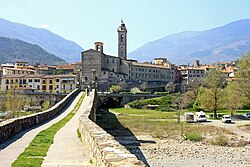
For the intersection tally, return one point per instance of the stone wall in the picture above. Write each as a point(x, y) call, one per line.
point(13, 126)
point(102, 148)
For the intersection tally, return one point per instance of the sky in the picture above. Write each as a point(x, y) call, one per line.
point(88, 21)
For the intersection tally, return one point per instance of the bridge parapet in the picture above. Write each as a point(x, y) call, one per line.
point(13, 126)
point(102, 148)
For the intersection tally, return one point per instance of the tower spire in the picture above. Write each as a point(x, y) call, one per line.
point(122, 41)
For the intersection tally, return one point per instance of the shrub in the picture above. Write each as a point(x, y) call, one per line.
point(220, 140)
point(163, 102)
point(193, 136)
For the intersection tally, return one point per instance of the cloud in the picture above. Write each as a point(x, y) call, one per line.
point(46, 26)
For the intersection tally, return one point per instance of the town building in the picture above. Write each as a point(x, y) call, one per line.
point(191, 74)
point(106, 70)
point(39, 83)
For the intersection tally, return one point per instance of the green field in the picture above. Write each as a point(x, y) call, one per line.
point(155, 123)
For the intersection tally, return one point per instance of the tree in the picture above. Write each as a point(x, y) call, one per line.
point(28, 101)
point(144, 86)
point(213, 83)
point(46, 104)
point(243, 76)
point(170, 87)
point(135, 90)
point(123, 85)
point(176, 103)
point(34, 102)
point(233, 99)
point(115, 89)
point(188, 99)
point(13, 103)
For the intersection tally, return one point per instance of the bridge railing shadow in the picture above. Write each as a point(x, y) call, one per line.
point(109, 122)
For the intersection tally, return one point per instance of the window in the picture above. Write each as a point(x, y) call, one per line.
point(7, 81)
point(104, 72)
point(30, 80)
point(38, 87)
point(44, 87)
point(113, 60)
point(113, 69)
point(122, 37)
point(44, 81)
point(50, 87)
point(57, 80)
point(107, 60)
point(24, 81)
point(50, 81)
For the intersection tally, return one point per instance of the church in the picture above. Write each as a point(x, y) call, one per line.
point(107, 70)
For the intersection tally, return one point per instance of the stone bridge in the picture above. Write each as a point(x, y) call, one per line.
point(96, 147)
point(125, 98)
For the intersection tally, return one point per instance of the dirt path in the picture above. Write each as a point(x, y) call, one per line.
point(232, 127)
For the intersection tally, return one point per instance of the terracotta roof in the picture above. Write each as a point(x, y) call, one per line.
point(22, 76)
point(66, 66)
point(58, 76)
point(18, 69)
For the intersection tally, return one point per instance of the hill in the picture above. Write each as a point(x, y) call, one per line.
point(223, 43)
point(53, 43)
point(12, 50)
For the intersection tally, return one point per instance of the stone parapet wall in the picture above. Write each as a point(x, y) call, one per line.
point(11, 127)
point(102, 148)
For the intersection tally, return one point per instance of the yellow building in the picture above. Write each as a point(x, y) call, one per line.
point(39, 83)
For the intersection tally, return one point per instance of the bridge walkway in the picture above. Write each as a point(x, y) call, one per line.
point(67, 149)
point(13, 147)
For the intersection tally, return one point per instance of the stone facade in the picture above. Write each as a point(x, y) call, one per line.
point(107, 70)
point(101, 147)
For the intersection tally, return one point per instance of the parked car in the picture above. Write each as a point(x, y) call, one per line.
point(248, 115)
point(226, 119)
point(201, 117)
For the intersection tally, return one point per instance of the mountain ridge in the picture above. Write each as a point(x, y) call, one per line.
point(222, 43)
point(12, 50)
point(51, 42)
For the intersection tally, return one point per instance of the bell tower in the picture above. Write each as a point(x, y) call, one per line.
point(122, 41)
